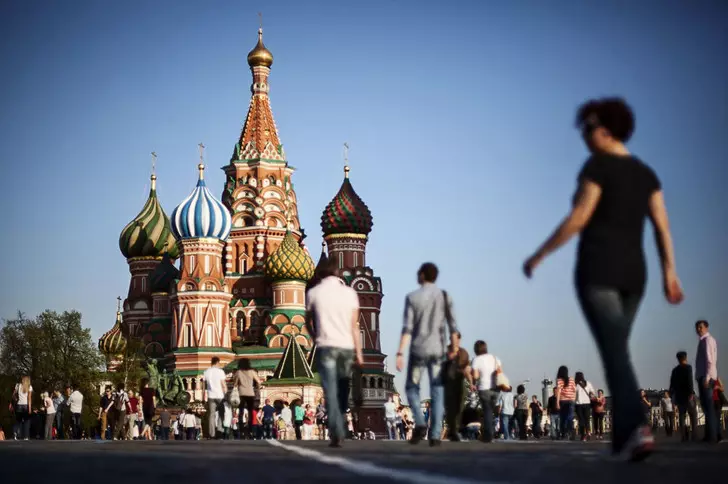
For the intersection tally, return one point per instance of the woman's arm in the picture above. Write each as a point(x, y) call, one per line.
point(661, 225)
point(585, 203)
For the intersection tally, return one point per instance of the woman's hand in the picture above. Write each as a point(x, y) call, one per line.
point(530, 265)
point(673, 290)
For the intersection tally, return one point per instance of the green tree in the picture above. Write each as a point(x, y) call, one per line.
point(54, 350)
point(129, 370)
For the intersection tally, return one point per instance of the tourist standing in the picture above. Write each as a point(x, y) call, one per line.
point(566, 401)
point(428, 313)
point(149, 401)
point(668, 413)
point(50, 411)
point(521, 411)
point(298, 414)
point(598, 409)
point(286, 415)
point(507, 403)
point(23, 397)
point(390, 418)
point(682, 390)
point(59, 403)
point(132, 409)
point(332, 315)
point(75, 405)
point(246, 380)
point(455, 370)
point(584, 393)
point(321, 419)
point(268, 416)
point(554, 416)
point(484, 377)
point(215, 390)
point(616, 193)
point(706, 373)
point(308, 420)
point(104, 406)
point(121, 404)
point(165, 420)
point(536, 415)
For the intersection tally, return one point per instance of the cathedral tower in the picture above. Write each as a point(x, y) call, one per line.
point(143, 242)
point(260, 197)
point(200, 305)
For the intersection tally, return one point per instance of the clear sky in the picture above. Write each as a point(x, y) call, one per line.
point(459, 116)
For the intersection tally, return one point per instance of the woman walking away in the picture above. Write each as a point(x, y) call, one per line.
point(245, 380)
point(584, 392)
point(521, 415)
point(598, 409)
point(23, 396)
point(566, 401)
point(616, 193)
point(50, 411)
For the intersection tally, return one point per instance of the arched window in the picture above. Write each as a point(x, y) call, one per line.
point(380, 383)
point(371, 383)
point(240, 322)
point(363, 382)
point(243, 264)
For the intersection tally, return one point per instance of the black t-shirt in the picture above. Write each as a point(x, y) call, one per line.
point(105, 401)
point(610, 249)
point(535, 409)
point(552, 405)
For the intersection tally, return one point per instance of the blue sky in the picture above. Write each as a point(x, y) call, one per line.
point(459, 117)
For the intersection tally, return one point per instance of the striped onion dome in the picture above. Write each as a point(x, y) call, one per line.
point(113, 343)
point(149, 234)
point(346, 213)
point(289, 261)
point(201, 214)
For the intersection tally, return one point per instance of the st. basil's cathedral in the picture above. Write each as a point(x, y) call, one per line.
point(240, 289)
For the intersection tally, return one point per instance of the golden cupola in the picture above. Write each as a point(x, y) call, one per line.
point(260, 56)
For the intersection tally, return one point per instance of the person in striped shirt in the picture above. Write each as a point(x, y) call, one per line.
point(566, 398)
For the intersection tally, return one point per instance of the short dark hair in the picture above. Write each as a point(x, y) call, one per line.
point(702, 321)
point(681, 355)
point(611, 113)
point(521, 389)
point(215, 360)
point(429, 272)
point(120, 386)
point(107, 388)
point(481, 348)
point(328, 269)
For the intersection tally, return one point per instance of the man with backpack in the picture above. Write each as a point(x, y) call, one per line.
point(120, 402)
point(428, 311)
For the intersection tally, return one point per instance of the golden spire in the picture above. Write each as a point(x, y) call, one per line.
point(154, 173)
point(260, 56)
point(118, 308)
point(201, 166)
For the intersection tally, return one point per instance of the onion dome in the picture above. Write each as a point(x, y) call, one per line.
point(346, 213)
point(201, 214)
point(260, 56)
point(113, 343)
point(162, 276)
point(289, 261)
point(149, 234)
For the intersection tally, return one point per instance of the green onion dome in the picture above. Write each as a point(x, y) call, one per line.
point(149, 234)
point(289, 261)
point(113, 342)
point(346, 213)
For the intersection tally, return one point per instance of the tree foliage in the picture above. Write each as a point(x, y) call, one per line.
point(129, 370)
point(55, 350)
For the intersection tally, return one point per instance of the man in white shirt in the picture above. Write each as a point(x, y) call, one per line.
point(390, 416)
point(75, 402)
point(706, 373)
point(484, 370)
point(287, 416)
point(215, 389)
point(332, 314)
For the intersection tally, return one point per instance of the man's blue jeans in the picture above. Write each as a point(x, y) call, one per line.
point(392, 429)
point(706, 403)
point(506, 426)
point(555, 425)
point(335, 371)
point(610, 313)
point(417, 367)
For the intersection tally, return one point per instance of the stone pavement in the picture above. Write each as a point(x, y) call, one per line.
point(63, 462)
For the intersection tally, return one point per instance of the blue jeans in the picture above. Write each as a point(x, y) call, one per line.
point(506, 426)
point(555, 425)
point(22, 416)
point(433, 366)
point(706, 402)
point(488, 401)
point(59, 424)
point(610, 313)
point(566, 416)
point(392, 429)
point(335, 371)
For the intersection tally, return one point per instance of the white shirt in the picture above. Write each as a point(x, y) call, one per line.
point(506, 403)
point(287, 415)
point(215, 381)
point(486, 365)
point(23, 396)
point(190, 421)
point(48, 404)
point(333, 304)
point(75, 401)
point(390, 411)
point(582, 393)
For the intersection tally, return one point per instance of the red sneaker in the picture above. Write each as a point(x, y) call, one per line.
point(640, 445)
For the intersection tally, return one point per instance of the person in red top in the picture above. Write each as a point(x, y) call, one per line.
point(131, 411)
point(253, 422)
point(566, 398)
point(598, 411)
point(149, 401)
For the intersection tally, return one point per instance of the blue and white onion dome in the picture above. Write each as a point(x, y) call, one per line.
point(201, 214)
